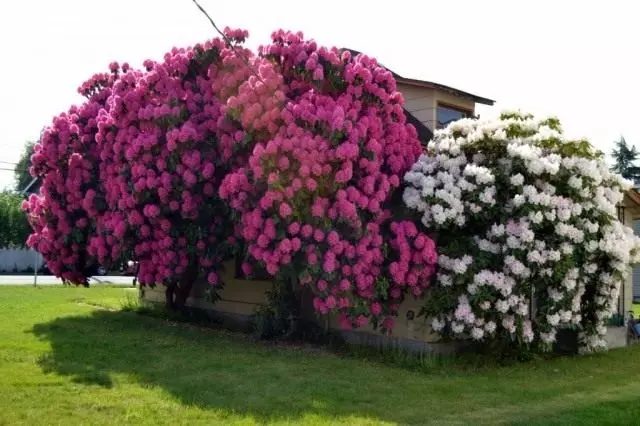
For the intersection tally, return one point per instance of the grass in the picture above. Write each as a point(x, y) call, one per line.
point(73, 356)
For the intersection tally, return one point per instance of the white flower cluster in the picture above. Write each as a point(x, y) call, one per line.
point(527, 229)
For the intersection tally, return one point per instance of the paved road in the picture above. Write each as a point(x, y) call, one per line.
point(52, 280)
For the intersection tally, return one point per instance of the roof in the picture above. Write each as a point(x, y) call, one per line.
point(432, 85)
point(634, 196)
point(424, 133)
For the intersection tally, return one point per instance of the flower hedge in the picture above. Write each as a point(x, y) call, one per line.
point(528, 235)
point(300, 147)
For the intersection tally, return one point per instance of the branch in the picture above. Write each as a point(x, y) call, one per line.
point(229, 42)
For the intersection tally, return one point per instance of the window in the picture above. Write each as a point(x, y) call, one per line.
point(446, 114)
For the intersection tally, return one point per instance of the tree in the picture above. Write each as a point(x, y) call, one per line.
point(625, 158)
point(22, 176)
point(14, 227)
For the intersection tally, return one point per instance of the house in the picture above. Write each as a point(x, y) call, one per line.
point(428, 106)
point(636, 269)
point(629, 214)
point(635, 224)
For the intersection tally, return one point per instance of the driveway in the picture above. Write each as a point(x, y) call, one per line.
point(52, 280)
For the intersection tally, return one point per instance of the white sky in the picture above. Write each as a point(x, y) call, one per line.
point(577, 60)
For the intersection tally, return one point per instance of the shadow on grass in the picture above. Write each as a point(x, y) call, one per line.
point(229, 374)
point(213, 370)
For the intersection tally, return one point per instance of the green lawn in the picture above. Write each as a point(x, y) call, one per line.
point(69, 356)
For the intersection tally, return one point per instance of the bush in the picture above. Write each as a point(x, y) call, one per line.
point(528, 236)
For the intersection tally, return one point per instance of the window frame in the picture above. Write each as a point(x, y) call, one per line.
point(468, 112)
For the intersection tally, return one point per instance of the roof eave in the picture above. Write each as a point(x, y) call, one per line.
point(437, 86)
point(634, 195)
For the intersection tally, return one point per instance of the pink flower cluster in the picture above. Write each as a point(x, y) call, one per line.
point(417, 259)
point(63, 214)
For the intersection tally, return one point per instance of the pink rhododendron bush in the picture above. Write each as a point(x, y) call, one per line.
point(136, 169)
point(289, 157)
point(313, 198)
point(528, 234)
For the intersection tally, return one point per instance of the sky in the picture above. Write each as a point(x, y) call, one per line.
point(576, 60)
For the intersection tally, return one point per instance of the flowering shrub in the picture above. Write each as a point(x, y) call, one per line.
point(328, 146)
point(299, 147)
point(527, 230)
point(135, 169)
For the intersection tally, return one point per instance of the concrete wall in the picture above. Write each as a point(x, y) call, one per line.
point(616, 337)
point(20, 259)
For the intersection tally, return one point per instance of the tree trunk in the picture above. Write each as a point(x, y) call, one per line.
point(178, 292)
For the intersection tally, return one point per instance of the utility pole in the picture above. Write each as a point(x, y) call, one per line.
point(35, 269)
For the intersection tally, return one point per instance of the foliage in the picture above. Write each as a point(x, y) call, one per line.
point(625, 158)
point(14, 227)
point(277, 318)
point(22, 175)
point(527, 228)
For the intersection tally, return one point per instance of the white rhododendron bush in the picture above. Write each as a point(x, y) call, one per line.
point(527, 231)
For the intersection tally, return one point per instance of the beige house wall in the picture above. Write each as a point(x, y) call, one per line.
point(407, 325)
point(238, 297)
point(244, 297)
point(422, 102)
